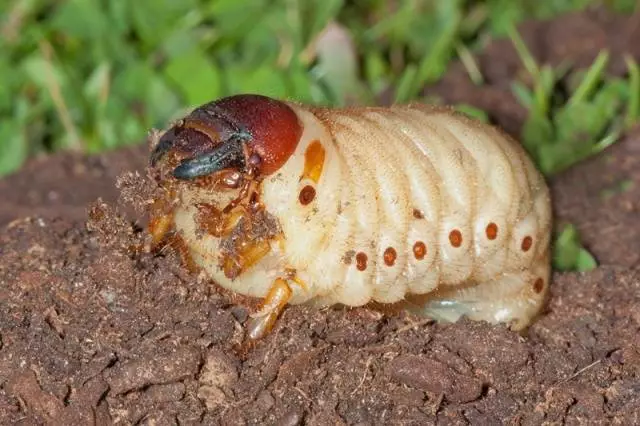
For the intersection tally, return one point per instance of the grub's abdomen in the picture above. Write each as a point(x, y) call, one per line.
point(430, 199)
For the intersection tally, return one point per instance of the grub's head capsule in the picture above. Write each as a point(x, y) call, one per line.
point(241, 134)
point(211, 166)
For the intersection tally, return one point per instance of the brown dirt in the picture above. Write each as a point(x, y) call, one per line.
point(94, 332)
point(62, 186)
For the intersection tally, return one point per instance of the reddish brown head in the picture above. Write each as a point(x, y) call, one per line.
point(242, 132)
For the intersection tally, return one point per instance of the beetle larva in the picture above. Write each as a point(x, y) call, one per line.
point(406, 204)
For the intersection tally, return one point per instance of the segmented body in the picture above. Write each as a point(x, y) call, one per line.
point(377, 204)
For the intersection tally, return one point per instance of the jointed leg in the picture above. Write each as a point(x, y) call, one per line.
point(263, 321)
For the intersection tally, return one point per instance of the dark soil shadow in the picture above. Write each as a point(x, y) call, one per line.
point(92, 333)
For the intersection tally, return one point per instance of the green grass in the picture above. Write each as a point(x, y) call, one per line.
point(568, 253)
point(562, 131)
point(93, 75)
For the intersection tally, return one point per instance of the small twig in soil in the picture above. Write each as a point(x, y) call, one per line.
point(414, 325)
point(579, 372)
point(364, 376)
point(304, 395)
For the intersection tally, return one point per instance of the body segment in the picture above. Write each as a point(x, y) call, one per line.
point(410, 204)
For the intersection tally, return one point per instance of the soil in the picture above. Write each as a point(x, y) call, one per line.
point(95, 331)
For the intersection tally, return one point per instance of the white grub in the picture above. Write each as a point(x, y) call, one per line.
point(414, 203)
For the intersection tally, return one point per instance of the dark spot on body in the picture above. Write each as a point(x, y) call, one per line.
point(390, 256)
point(538, 286)
point(455, 238)
point(492, 231)
point(419, 250)
point(527, 242)
point(361, 261)
point(307, 194)
point(418, 214)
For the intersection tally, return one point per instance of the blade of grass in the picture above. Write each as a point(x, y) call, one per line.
point(56, 95)
point(434, 63)
point(470, 64)
point(472, 111)
point(525, 55)
point(15, 18)
point(633, 108)
point(585, 261)
point(569, 254)
point(590, 80)
point(322, 13)
point(474, 20)
point(544, 77)
point(522, 93)
point(403, 91)
point(606, 141)
point(543, 90)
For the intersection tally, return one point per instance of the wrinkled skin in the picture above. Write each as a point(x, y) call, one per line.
point(410, 206)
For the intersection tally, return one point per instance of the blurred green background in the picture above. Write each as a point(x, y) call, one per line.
point(92, 75)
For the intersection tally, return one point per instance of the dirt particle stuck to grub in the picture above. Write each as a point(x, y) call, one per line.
point(263, 226)
point(348, 257)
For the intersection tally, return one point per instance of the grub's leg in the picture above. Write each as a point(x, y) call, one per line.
point(263, 321)
point(159, 227)
point(514, 298)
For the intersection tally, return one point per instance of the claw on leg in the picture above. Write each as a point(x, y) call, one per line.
point(263, 321)
point(159, 228)
point(161, 223)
